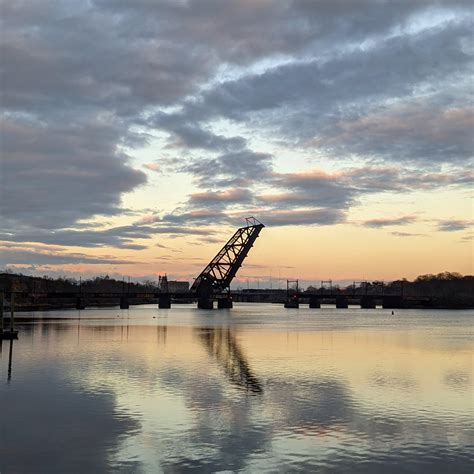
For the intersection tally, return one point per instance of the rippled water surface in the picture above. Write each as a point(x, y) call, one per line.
point(255, 389)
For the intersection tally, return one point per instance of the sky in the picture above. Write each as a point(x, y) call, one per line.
point(136, 136)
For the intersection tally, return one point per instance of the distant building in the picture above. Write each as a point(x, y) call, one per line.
point(173, 286)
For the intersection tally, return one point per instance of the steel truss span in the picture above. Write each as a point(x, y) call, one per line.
point(219, 273)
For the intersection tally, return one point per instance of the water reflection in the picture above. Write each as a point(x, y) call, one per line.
point(49, 425)
point(222, 345)
point(135, 396)
point(10, 358)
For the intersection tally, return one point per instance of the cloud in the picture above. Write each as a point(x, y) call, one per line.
point(380, 87)
point(389, 221)
point(11, 256)
point(152, 167)
point(311, 197)
point(401, 97)
point(189, 135)
point(304, 217)
point(407, 234)
point(342, 189)
point(454, 225)
point(413, 131)
point(120, 237)
point(243, 32)
point(228, 196)
point(237, 168)
point(314, 187)
point(56, 174)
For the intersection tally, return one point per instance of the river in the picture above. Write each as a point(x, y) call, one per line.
point(257, 388)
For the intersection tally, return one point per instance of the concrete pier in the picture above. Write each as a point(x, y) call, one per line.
point(205, 303)
point(80, 303)
point(225, 303)
point(164, 302)
point(392, 302)
point(366, 302)
point(342, 302)
point(124, 304)
point(314, 302)
point(292, 303)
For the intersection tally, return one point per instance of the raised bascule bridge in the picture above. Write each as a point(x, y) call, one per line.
point(213, 283)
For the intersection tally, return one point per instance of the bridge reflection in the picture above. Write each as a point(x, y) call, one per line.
point(223, 346)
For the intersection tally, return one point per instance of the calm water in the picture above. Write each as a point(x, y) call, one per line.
point(253, 389)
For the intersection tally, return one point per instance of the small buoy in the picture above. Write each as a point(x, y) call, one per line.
point(154, 317)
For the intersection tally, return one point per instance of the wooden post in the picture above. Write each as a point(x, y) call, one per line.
point(12, 311)
point(1, 312)
point(10, 357)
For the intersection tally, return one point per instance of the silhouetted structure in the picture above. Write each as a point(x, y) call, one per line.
point(292, 294)
point(444, 290)
point(219, 273)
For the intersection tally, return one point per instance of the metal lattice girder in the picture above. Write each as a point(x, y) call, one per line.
point(219, 273)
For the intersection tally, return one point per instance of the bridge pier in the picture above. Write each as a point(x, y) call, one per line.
point(342, 302)
point(225, 303)
point(292, 303)
point(1, 313)
point(392, 302)
point(124, 304)
point(164, 302)
point(80, 303)
point(205, 303)
point(366, 302)
point(314, 302)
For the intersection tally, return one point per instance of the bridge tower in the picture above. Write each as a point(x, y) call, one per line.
point(216, 278)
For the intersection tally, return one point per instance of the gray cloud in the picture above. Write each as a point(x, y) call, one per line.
point(340, 104)
point(311, 197)
point(304, 217)
point(119, 237)
point(190, 135)
point(53, 175)
point(228, 196)
point(35, 257)
point(314, 187)
point(454, 225)
point(407, 234)
point(238, 168)
point(416, 131)
point(383, 81)
point(389, 221)
point(241, 32)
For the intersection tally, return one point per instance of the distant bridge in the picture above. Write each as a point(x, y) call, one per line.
point(213, 284)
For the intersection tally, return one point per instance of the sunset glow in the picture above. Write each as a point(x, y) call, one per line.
point(136, 140)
